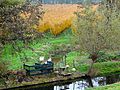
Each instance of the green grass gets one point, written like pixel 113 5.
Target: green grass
pixel 44 45
pixel 107 67
pixel 14 58
pixel 115 86
pixel 103 68
pixel 82 64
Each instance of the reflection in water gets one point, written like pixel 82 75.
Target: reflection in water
pixel 112 79
pixel 83 83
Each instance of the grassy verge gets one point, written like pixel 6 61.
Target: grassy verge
pixel 103 68
pixel 82 64
pixel 115 86
pixel 41 47
pixel 44 45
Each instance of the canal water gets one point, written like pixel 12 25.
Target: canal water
pixel 81 84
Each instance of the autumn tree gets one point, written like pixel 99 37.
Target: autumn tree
pixel 17 23
pixel 97 30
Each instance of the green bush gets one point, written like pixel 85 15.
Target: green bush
pixel 104 57
pixel 103 68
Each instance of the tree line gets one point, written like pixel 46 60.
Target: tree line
pixel 68 1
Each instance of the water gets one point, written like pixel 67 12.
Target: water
pixel 81 84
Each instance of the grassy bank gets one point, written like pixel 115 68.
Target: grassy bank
pixel 103 68
pixel 41 47
pixel 43 80
pixel 82 64
pixel 44 45
pixel 115 86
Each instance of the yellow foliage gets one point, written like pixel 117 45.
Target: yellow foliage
pixel 25 15
pixel 55 27
pixel 57 18
pixel 60 27
pixel 43 27
pixel 74 28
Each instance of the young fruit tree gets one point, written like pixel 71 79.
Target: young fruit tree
pixel 97 30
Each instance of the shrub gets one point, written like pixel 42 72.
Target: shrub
pixel 16 26
pixel 59 27
pixel 103 57
pixel 43 27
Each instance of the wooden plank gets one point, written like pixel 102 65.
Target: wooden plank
pixel 65 74
pixel 39 69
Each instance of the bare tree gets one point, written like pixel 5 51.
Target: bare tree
pixel 97 30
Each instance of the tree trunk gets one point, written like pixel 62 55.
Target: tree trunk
pixel 94 57
pixel 90 81
pixel 90 68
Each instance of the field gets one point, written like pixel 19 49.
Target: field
pixel 58 17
